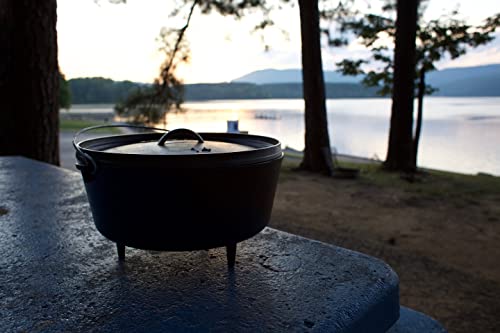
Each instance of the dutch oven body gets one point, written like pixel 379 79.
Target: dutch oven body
pixel 178 203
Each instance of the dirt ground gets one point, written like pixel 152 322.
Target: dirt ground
pixel 441 235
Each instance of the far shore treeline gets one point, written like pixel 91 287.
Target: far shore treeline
pixel 101 90
pixel 453 82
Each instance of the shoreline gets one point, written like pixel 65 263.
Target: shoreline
pixel 82 114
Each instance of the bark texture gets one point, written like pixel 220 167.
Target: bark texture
pixel 29 122
pixel 400 150
pixel 317 152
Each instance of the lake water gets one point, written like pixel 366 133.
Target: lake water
pixel 458 134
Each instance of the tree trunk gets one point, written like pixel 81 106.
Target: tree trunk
pixel 29 83
pixel 420 108
pixel 317 152
pixel 400 150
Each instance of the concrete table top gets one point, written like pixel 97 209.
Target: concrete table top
pixel 58 274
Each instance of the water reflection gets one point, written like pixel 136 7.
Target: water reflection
pixel 458 134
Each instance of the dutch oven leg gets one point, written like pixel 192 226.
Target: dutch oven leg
pixel 231 254
pixel 121 251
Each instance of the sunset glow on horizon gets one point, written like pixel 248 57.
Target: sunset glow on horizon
pixel 119 41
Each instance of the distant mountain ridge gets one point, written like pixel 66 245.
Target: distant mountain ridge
pixel 271 76
pixel 458 81
pixel 476 81
pixel 466 81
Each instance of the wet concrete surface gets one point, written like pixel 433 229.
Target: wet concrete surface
pixel 58 274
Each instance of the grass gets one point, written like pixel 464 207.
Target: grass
pixel 432 184
pixel 436 183
pixel 458 189
pixel 73 125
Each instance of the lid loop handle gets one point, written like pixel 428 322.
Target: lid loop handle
pixel 180 134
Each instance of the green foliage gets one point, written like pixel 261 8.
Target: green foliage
pixel 119 92
pixel 446 36
pixel 147 105
pixel 100 90
pixel 64 92
pixel 274 90
pixel 235 8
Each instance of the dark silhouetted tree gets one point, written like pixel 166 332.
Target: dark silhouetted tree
pixel 400 149
pixel 446 36
pixel 64 92
pixel 317 153
pixel 149 104
pixel 29 80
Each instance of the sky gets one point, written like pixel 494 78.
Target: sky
pixel 119 41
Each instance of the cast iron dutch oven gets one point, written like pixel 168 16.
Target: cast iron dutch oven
pixel 180 190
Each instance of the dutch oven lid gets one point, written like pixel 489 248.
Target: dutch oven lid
pixel 184 142
pixel 181 147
